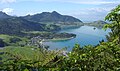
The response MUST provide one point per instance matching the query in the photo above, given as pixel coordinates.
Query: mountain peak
(3, 15)
(51, 17)
(1, 12)
(54, 12)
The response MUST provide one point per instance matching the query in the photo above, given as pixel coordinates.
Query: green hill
(39, 22)
(98, 24)
(51, 17)
(17, 25)
(44, 21)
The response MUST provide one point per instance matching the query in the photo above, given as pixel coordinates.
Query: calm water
(85, 35)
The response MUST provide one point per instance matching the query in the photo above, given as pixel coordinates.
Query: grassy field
(28, 53)
(8, 39)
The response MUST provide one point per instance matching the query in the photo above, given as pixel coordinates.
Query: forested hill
(51, 17)
(12, 25)
(16, 25)
(4, 15)
(98, 24)
(44, 21)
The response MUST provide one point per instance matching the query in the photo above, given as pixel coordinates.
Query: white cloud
(8, 10)
(7, 1)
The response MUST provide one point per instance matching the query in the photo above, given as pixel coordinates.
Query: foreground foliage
(22, 58)
(105, 56)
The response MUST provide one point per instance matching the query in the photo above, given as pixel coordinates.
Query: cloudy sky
(86, 10)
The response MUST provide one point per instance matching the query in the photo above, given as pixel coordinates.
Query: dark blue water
(86, 35)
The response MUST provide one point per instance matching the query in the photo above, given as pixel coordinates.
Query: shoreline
(57, 39)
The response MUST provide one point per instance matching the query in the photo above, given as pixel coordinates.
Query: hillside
(39, 22)
(17, 25)
(53, 17)
(4, 15)
(98, 24)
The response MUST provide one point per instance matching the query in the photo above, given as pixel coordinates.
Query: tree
(114, 18)
(2, 43)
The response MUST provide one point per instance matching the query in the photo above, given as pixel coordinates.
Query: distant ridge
(4, 15)
(54, 17)
(99, 22)
(44, 21)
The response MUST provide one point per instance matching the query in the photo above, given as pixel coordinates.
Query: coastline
(58, 39)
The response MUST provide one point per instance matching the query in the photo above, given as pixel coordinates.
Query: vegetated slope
(4, 15)
(98, 23)
(51, 17)
(17, 25)
(2, 43)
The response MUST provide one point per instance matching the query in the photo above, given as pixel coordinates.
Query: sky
(85, 10)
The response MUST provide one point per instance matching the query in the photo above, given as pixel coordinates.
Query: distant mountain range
(51, 17)
(44, 21)
(17, 25)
